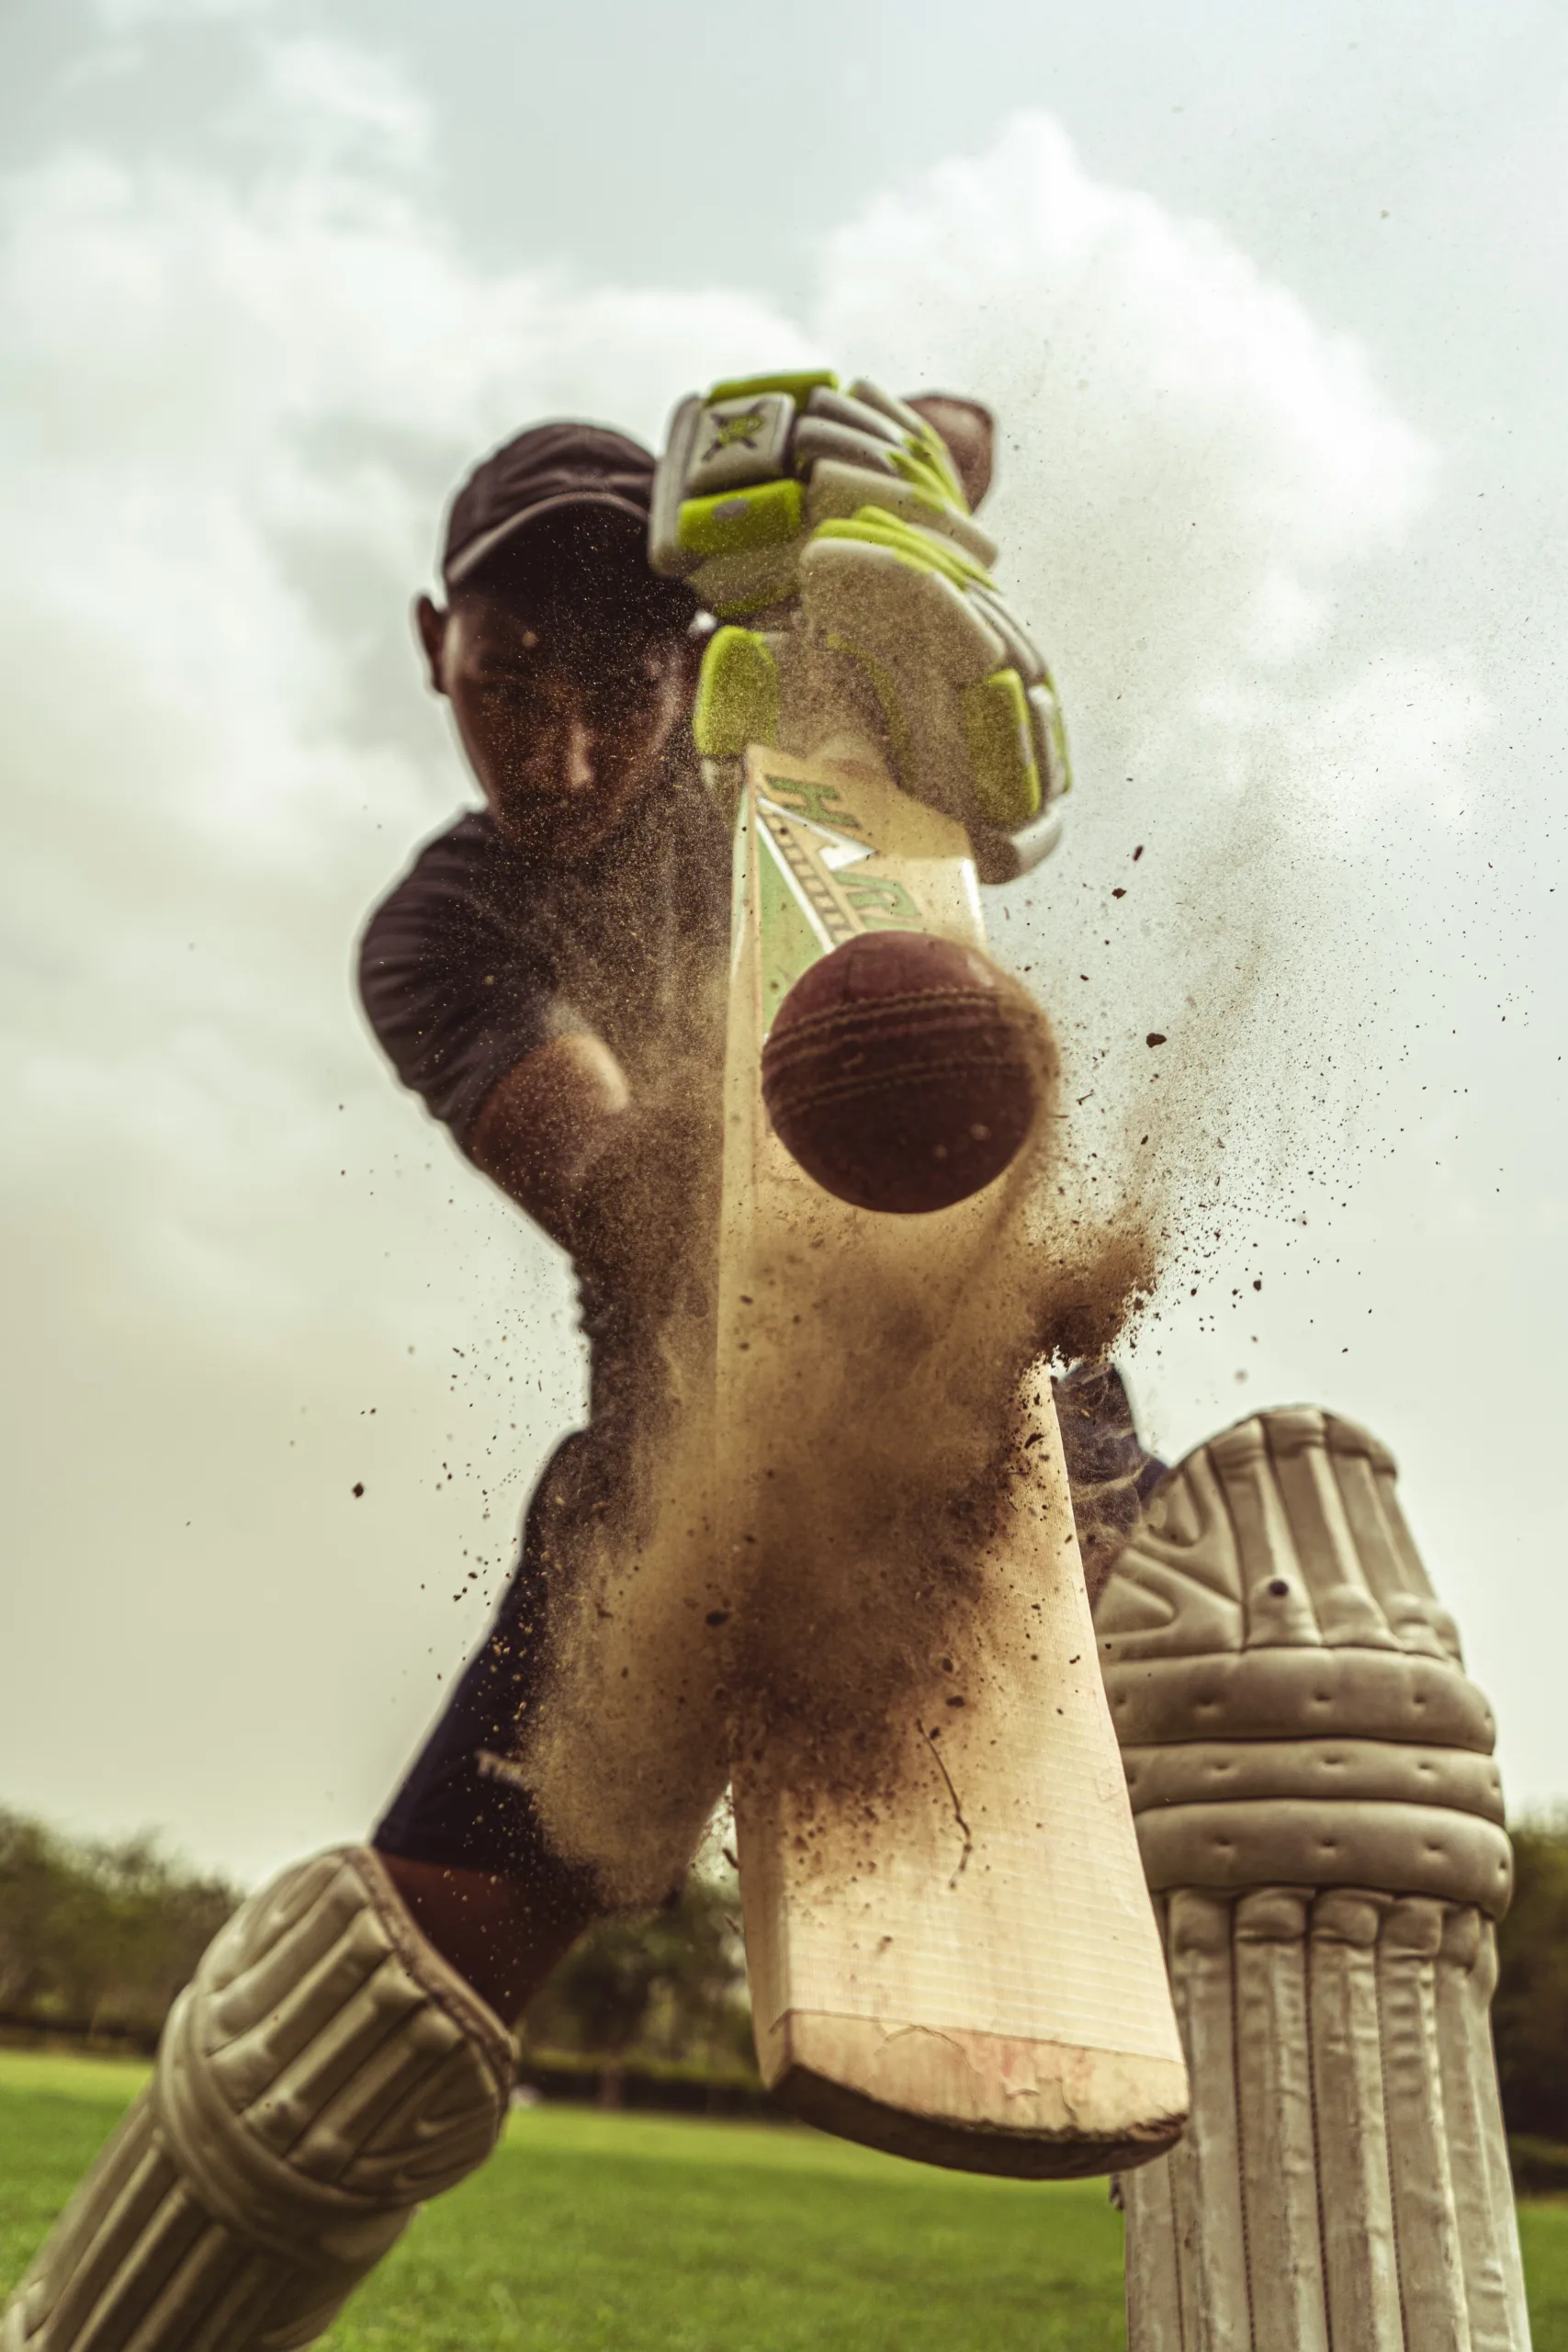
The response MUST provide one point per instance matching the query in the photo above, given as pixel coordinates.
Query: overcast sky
(1268, 301)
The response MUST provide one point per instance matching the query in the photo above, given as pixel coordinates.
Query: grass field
(591, 2231)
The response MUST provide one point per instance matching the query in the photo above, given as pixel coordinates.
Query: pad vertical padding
(324, 2072)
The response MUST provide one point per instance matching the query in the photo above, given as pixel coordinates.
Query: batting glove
(838, 515)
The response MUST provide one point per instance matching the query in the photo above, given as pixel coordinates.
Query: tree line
(98, 1936)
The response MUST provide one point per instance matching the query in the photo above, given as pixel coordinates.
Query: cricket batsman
(548, 978)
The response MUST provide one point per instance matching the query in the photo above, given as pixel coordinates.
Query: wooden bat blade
(958, 1964)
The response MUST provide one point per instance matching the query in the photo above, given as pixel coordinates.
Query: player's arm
(470, 1019)
(542, 1128)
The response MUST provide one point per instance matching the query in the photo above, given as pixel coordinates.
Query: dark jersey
(481, 954)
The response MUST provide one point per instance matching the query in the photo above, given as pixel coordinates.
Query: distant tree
(103, 1934)
(97, 1933)
(1529, 2015)
(672, 1985)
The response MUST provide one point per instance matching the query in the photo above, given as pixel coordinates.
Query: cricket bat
(961, 1965)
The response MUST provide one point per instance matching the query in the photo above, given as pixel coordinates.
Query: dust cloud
(794, 1561)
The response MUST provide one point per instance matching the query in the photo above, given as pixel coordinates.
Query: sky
(1268, 301)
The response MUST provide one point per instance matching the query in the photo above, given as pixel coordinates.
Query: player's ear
(969, 430)
(431, 624)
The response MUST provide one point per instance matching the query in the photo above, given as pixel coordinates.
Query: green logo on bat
(881, 905)
(819, 804)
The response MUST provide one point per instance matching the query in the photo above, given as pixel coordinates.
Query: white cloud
(335, 103)
(1188, 461)
(133, 16)
(233, 405)
(1195, 484)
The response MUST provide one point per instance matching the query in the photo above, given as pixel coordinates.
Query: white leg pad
(324, 2072)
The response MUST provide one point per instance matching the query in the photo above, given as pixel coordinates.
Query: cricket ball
(903, 1071)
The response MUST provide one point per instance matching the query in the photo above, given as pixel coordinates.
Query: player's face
(564, 732)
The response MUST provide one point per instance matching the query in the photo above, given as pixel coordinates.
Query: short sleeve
(456, 981)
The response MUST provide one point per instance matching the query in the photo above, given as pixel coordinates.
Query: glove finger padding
(902, 603)
(750, 470)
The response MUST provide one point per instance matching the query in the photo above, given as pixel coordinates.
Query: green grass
(1543, 2233)
(590, 2232)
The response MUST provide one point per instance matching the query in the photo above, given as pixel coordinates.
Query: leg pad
(324, 2073)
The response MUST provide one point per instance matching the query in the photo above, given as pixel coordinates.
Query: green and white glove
(835, 521)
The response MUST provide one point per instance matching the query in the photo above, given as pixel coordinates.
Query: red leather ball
(903, 1072)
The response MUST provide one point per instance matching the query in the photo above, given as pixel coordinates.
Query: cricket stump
(1321, 1822)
